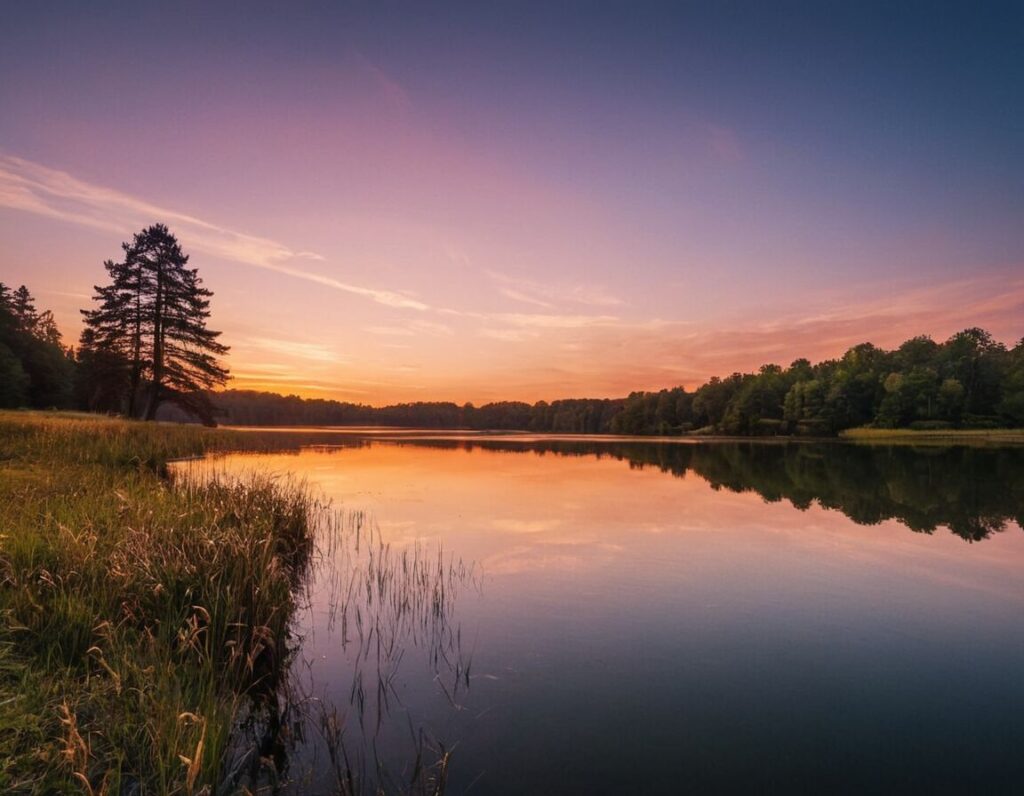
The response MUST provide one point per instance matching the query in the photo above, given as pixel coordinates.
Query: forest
(144, 345)
(146, 352)
(970, 381)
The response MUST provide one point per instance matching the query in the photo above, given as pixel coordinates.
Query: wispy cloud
(510, 335)
(413, 328)
(551, 295)
(66, 294)
(34, 188)
(291, 348)
(548, 321)
(516, 295)
(393, 92)
(660, 353)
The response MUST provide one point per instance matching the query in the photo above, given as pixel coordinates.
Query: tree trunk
(136, 378)
(158, 345)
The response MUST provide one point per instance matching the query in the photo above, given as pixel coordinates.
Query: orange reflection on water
(590, 524)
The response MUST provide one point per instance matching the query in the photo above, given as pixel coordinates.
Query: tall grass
(368, 603)
(135, 617)
(1004, 436)
(382, 602)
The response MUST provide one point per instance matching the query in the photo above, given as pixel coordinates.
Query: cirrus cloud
(34, 188)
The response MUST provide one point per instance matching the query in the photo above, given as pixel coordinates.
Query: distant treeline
(968, 381)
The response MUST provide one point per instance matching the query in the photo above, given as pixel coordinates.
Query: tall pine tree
(148, 333)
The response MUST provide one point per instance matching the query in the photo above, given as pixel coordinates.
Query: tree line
(145, 343)
(968, 381)
(35, 368)
(146, 352)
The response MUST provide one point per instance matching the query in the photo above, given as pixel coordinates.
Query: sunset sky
(421, 201)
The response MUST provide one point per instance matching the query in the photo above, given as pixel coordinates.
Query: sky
(481, 201)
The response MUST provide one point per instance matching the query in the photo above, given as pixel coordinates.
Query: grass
(945, 436)
(135, 616)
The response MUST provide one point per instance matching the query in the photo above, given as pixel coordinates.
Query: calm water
(640, 617)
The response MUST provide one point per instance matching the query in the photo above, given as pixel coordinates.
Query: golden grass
(134, 615)
(1004, 436)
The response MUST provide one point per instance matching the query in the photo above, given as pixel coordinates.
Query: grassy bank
(946, 436)
(135, 617)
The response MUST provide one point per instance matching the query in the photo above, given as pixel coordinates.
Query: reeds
(148, 624)
(135, 617)
(380, 607)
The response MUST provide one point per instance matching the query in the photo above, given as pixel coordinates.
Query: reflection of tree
(974, 491)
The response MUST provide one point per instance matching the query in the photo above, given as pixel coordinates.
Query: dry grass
(1007, 436)
(134, 616)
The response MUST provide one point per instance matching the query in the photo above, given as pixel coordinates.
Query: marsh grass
(379, 607)
(1005, 436)
(135, 616)
(383, 601)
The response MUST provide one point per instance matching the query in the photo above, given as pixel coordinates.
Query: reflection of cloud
(548, 556)
(525, 526)
(34, 188)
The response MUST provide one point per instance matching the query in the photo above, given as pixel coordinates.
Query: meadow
(137, 615)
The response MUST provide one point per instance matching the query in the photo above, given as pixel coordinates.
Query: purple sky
(405, 202)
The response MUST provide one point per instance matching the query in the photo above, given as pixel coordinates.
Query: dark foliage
(146, 341)
(975, 492)
(35, 368)
(970, 381)
(146, 344)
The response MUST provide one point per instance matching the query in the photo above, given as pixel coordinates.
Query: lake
(540, 615)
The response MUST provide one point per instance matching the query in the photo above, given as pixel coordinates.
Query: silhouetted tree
(148, 332)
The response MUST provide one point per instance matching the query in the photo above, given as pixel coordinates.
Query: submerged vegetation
(135, 615)
(381, 607)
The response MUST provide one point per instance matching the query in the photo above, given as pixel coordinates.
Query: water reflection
(663, 617)
(333, 720)
(974, 491)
